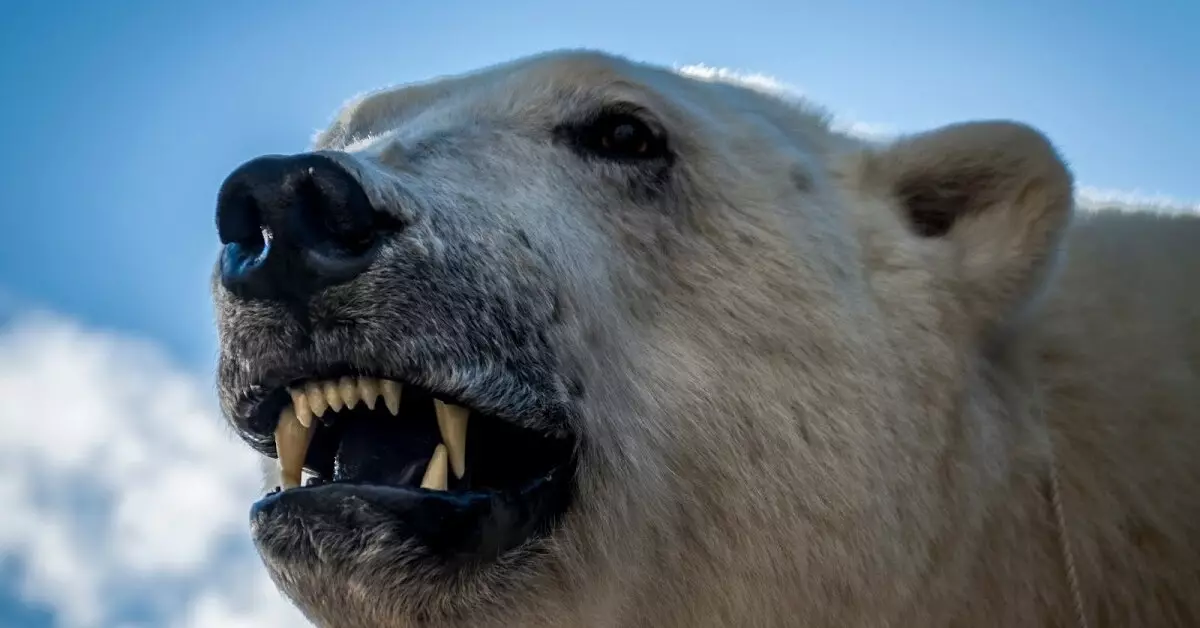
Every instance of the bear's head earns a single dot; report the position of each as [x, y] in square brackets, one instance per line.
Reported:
[577, 341]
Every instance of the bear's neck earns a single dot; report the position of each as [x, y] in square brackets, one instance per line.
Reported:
[1005, 562]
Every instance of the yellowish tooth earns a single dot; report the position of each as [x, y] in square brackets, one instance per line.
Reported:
[452, 422]
[368, 389]
[436, 474]
[333, 395]
[348, 391]
[300, 405]
[291, 442]
[391, 395]
[316, 398]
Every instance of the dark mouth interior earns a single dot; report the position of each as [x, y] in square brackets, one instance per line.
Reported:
[371, 446]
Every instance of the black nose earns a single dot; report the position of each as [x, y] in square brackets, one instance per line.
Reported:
[292, 225]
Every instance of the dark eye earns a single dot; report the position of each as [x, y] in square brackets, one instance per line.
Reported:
[622, 136]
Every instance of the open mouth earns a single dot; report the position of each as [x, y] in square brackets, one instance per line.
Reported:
[461, 481]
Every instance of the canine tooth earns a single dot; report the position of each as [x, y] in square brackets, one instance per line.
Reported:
[348, 391]
[452, 422]
[300, 405]
[316, 398]
[291, 442]
[435, 473]
[391, 395]
[368, 389]
[333, 396]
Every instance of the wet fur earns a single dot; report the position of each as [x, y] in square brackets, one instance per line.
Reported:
[815, 382]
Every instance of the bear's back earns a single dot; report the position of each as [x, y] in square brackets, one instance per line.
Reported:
[1117, 339]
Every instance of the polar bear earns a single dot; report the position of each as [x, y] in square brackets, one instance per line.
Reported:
[577, 341]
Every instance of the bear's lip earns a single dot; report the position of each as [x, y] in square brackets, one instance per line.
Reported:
[452, 528]
[367, 464]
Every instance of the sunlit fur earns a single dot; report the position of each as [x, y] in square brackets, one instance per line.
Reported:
[794, 409]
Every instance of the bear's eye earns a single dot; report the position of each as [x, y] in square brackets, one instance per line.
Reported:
[621, 136]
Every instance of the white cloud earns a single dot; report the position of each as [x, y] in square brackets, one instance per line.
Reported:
[869, 131]
[241, 609]
[753, 80]
[1097, 198]
[765, 83]
[123, 491]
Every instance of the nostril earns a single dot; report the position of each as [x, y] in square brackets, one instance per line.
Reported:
[239, 218]
[240, 228]
[240, 263]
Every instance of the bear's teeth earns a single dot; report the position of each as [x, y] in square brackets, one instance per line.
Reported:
[435, 474]
[333, 396]
[293, 433]
[452, 423]
[391, 395]
[316, 398]
[312, 399]
[300, 406]
[348, 391]
[368, 389]
[291, 443]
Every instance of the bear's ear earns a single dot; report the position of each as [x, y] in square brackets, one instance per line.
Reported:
[997, 198]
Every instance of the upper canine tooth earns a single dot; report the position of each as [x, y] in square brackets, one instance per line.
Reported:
[452, 422]
[348, 391]
[333, 396]
[368, 389]
[300, 405]
[291, 443]
[316, 398]
[391, 395]
[435, 474]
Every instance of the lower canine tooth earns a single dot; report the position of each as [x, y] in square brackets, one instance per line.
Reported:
[436, 473]
[291, 443]
[391, 395]
[349, 391]
[452, 422]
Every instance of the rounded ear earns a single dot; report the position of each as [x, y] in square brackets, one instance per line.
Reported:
[997, 194]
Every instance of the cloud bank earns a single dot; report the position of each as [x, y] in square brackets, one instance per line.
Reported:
[125, 496]
[1100, 198]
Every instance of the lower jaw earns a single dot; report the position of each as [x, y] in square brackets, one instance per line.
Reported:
[471, 526]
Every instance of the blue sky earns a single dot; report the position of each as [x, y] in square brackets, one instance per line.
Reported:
[121, 119]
